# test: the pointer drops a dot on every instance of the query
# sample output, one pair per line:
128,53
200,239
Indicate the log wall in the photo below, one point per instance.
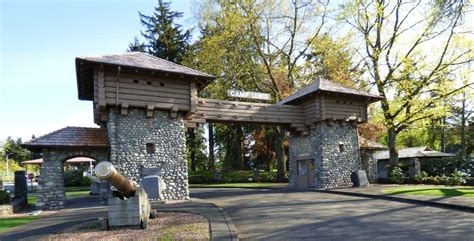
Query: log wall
210,110
124,89
342,108
127,89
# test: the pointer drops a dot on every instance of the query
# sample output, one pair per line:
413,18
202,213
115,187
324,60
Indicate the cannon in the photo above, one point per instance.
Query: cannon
128,202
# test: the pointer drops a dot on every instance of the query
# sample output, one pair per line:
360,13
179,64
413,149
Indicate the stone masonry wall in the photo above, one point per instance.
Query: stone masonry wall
299,145
129,135
369,164
333,163
50,194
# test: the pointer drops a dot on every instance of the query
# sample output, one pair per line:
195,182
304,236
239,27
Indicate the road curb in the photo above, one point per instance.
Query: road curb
404,200
244,187
221,226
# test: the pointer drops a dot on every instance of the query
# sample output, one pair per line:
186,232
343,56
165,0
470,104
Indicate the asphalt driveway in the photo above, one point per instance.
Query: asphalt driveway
278,214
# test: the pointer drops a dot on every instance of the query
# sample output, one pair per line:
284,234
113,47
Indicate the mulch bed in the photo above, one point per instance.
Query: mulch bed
167,225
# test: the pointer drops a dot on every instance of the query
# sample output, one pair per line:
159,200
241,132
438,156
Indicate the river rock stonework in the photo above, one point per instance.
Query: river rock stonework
50,194
334,148
138,141
369,164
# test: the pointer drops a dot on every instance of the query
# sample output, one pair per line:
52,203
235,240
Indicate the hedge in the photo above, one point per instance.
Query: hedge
75,178
229,176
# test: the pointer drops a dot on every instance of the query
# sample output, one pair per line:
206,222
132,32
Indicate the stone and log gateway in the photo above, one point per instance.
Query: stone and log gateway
144,104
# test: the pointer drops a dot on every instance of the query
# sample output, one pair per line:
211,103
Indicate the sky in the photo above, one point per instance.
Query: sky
39,42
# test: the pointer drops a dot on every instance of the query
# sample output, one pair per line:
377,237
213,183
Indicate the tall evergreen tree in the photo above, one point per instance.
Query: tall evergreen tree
164,38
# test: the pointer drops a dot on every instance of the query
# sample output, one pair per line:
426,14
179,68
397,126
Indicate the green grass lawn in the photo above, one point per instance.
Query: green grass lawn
242,185
433,191
6,223
71,192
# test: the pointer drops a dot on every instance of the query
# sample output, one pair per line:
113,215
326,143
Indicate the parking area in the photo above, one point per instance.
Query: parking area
269,214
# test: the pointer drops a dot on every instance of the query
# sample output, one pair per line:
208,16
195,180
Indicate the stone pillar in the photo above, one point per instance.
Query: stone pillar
20,200
157,141
414,169
335,148
50,194
369,164
104,188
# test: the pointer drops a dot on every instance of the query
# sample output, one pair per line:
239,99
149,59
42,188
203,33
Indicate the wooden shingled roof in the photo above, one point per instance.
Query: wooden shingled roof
72,137
323,85
135,60
367,144
418,152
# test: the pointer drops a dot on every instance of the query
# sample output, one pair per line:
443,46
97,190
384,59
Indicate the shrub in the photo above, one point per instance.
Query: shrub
396,175
197,179
422,177
457,178
233,176
85,181
4,197
440,167
74,178
436,180
229,176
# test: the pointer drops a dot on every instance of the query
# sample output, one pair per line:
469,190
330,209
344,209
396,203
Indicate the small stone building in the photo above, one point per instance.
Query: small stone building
410,157
144,105
368,155
58,147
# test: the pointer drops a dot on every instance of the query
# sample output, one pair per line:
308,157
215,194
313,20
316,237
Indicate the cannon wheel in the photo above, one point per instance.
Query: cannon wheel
153,214
144,224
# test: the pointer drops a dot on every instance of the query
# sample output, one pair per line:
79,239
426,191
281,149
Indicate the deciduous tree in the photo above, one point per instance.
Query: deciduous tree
411,50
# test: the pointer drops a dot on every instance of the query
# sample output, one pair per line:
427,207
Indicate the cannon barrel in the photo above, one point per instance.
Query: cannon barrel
105,170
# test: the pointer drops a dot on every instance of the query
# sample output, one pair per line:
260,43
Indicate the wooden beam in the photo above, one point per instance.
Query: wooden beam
101,88
193,91
117,86
124,108
150,109
174,112
190,125
322,107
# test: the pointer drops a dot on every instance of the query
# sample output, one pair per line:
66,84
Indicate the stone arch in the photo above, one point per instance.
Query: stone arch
51,193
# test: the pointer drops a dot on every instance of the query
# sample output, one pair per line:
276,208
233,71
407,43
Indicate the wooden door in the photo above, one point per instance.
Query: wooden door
305,175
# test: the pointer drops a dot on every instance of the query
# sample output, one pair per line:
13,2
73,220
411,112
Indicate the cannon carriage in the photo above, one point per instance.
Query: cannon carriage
128,202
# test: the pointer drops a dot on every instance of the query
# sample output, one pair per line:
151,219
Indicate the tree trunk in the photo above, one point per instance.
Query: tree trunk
192,148
239,148
392,142
463,127
443,134
280,161
210,164
268,164
432,132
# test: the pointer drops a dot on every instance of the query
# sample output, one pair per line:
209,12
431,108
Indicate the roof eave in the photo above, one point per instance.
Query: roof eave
204,77
42,146
370,98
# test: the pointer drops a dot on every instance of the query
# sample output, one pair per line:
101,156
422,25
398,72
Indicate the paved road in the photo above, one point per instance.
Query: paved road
78,210
279,214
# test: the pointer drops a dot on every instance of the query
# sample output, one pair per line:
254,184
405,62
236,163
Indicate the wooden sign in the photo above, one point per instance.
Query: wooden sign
248,94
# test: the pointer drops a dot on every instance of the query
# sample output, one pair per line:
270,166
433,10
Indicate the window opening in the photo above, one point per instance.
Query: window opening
150,148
